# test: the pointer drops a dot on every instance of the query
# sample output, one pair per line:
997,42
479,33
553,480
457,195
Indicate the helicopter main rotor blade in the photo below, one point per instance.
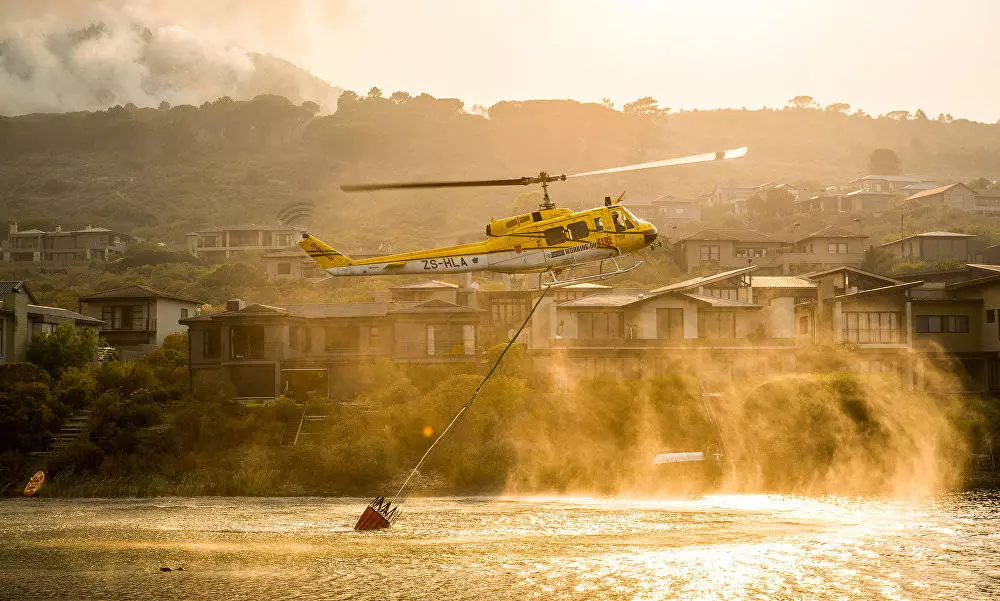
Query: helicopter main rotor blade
520,181
722,155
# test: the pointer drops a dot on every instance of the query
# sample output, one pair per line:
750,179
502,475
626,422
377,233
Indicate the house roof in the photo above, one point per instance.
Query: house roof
738,234
436,305
780,281
59,313
425,285
714,301
867,193
603,300
138,291
889,178
882,290
11,285
248,227
930,235
938,190
695,283
815,274
832,231
339,310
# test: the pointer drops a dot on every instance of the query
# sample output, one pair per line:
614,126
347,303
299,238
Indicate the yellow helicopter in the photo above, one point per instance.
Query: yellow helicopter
546,241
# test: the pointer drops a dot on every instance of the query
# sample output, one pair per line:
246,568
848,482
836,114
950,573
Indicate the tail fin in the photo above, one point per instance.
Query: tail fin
324,255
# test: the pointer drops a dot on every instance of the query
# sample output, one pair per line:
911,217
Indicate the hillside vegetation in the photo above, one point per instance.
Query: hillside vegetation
159,173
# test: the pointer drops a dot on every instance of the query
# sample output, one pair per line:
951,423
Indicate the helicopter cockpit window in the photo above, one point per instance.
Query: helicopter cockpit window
598,224
618,220
578,230
555,235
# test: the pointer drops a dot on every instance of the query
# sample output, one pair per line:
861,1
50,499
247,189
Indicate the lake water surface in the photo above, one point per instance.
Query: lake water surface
716,547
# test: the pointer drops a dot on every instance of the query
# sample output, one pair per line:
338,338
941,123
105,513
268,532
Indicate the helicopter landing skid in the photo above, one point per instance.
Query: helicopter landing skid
555,282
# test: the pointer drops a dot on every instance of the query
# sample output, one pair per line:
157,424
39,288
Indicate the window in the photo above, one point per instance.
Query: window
598,224
374,337
578,230
3,339
123,317
709,252
670,324
342,338
872,327
246,342
804,325
469,339
942,324
755,253
600,325
284,268
536,216
621,222
990,316
211,341
716,324
555,236
184,313
836,248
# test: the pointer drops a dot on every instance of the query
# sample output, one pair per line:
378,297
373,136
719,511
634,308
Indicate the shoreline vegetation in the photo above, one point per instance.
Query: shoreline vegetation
823,429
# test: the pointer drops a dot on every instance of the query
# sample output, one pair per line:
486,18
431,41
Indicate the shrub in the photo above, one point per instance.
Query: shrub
66,347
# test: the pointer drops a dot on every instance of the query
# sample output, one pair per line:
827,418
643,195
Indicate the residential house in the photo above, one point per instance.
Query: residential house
219,244
61,248
290,264
721,248
932,247
828,246
137,318
988,202
667,211
954,196
635,333
268,350
21,317
890,183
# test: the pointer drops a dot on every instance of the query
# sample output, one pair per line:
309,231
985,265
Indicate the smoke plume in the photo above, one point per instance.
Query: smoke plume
92,59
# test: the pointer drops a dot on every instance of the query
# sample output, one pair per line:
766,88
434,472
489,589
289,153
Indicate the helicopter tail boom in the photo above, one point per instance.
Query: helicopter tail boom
322,253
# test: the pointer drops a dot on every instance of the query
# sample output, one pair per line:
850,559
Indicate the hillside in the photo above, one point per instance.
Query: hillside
158,173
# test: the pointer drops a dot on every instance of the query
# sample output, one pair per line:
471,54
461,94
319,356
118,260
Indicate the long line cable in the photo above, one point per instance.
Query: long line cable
468,403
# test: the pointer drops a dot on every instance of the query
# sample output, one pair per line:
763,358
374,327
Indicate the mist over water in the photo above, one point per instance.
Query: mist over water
812,431
717,547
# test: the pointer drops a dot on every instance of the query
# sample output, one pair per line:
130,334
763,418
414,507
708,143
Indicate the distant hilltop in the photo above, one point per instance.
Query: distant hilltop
158,173
115,63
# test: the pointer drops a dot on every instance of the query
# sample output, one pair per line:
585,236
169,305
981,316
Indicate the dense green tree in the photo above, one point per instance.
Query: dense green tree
644,108
884,161
803,102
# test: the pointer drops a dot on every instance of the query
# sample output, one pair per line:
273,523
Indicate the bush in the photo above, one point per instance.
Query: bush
67,346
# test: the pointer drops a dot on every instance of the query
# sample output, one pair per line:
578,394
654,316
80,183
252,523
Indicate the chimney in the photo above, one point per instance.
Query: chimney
16,301
58,228
12,226
235,304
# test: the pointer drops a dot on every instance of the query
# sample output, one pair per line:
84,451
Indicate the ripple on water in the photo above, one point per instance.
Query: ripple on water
725,547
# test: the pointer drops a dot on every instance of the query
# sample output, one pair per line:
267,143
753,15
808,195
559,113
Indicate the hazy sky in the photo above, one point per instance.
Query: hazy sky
879,55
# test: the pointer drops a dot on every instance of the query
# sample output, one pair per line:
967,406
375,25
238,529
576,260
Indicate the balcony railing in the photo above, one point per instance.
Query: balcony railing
137,325
874,336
